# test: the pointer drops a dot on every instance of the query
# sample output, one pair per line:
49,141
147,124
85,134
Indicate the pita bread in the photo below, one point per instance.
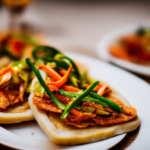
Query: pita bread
62,134
16,113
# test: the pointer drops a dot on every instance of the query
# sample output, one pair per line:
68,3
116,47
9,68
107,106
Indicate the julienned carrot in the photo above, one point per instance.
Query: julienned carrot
51,72
70,88
5,71
76,112
63,79
101,91
56,76
9,70
62,72
96,88
52,88
5,78
66,87
32,76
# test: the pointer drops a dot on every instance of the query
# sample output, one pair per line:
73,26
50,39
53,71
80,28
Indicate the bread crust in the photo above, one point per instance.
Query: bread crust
62,134
16,113
9,118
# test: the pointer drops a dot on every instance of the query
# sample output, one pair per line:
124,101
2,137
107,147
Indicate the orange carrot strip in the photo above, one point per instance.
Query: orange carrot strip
5,78
51,72
8,70
5,71
102,89
32,76
96,88
76,112
63,79
70,88
52,88
62,72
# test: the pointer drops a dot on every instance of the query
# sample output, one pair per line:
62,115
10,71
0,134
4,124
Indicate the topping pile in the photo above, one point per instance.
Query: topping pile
64,90
13,83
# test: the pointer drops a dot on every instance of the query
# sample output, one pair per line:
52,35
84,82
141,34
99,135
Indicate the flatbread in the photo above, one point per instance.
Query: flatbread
62,134
16,113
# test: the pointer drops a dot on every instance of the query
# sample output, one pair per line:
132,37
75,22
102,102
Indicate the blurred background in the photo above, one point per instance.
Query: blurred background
77,26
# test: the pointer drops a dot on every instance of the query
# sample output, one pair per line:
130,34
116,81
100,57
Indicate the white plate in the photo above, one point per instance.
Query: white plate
102,49
132,88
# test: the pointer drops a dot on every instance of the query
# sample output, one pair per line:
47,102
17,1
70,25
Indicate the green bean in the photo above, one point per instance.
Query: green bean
68,94
43,84
63,57
73,94
74,66
97,97
78,99
45,52
111,104
59,63
95,101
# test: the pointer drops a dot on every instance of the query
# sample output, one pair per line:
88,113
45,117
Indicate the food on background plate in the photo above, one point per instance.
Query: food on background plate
17,45
134,47
14,80
70,107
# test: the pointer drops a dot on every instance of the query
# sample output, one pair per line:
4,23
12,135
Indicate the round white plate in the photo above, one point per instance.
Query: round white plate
104,43
135,90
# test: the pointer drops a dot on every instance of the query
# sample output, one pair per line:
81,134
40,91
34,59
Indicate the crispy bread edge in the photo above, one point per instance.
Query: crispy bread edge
9,118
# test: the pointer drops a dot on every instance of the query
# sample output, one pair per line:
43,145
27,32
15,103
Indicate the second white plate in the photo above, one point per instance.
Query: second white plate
104,43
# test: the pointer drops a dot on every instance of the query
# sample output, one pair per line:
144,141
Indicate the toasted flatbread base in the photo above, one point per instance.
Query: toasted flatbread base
17,113
9,118
62,134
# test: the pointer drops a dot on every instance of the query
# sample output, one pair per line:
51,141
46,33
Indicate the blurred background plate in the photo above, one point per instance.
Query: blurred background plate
104,43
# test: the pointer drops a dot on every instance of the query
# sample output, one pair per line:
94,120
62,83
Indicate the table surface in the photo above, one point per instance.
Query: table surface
77,27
